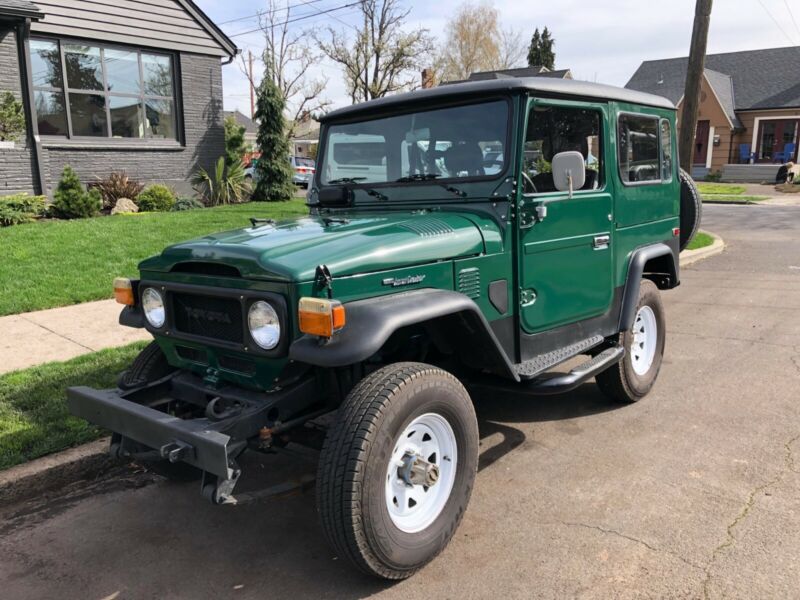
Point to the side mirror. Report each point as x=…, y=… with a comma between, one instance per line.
x=569, y=171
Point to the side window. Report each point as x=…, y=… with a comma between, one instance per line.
x=554, y=129
x=639, y=149
x=666, y=151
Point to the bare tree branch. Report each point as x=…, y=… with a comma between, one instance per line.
x=382, y=57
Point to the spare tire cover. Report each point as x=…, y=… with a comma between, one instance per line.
x=691, y=209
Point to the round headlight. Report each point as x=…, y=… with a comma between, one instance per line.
x=265, y=327
x=153, y=305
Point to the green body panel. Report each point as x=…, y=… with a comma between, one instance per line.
x=424, y=236
x=359, y=243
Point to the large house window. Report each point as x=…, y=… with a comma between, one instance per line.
x=87, y=91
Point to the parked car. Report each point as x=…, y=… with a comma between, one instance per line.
x=424, y=266
x=304, y=169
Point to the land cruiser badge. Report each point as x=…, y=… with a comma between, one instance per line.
x=402, y=281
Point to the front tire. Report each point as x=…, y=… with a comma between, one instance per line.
x=633, y=377
x=397, y=469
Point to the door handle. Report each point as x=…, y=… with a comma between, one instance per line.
x=601, y=242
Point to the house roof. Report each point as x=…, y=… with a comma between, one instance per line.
x=209, y=26
x=542, y=85
x=722, y=85
x=243, y=120
x=20, y=9
x=761, y=79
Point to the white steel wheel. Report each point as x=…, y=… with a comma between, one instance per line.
x=421, y=472
x=645, y=340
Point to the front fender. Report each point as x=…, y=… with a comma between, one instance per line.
x=371, y=322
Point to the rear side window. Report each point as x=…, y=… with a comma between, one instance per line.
x=666, y=151
x=639, y=156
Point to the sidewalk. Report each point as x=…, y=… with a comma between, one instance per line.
x=34, y=338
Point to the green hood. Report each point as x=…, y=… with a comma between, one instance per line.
x=291, y=250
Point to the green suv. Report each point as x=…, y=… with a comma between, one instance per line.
x=479, y=232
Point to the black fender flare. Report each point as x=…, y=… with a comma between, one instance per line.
x=372, y=321
x=639, y=258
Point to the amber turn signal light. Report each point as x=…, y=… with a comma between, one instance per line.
x=123, y=291
x=321, y=317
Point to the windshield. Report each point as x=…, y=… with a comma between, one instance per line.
x=448, y=143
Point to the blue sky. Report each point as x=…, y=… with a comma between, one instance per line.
x=600, y=41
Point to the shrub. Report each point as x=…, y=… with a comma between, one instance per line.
x=714, y=176
x=156, y=198
x=273, y=173
x=12, y=118
x=223, y=185
x=20, y=208
x=72, y=200
x=115, y=186
x=187, y=204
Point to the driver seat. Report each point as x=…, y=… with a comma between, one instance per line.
x=464, y=157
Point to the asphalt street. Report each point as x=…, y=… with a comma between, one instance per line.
x=692, y=493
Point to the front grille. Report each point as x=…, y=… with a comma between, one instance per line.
x=192, y=354
x=240, y=365
x=208, y=317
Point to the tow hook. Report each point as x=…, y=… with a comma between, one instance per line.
x=415, y=470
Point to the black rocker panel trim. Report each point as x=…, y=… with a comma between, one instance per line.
x=371, y=322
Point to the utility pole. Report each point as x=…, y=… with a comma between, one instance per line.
x=694, y=74
x=252, y=85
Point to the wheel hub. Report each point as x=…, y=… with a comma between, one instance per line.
x=421, y=472
x=415, y=470
x=644, y=342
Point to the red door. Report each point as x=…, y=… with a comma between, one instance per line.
x=701, y=143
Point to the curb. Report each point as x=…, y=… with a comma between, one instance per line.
x=689, y=257
x=32, y=479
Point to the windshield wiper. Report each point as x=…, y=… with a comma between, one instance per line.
x=418, y=177
x=346, y=180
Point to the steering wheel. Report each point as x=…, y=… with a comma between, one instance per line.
x=529, y=181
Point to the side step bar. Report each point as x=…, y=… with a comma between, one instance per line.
x=564, y=383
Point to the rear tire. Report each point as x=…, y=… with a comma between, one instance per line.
x=371, y=512
x=633, y=377
x=691, y=209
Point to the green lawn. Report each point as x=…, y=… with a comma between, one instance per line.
x=33, y=411
x=701, y=240
x=57, y=263
x=719, y=188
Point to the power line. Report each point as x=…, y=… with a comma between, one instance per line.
x=791, y=14
x=258, y=14
x=774, y=20
x=288, y=21
x=309, y=2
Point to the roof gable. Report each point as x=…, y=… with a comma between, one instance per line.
x=20, y=9
x=162, y=24
x=760, y=79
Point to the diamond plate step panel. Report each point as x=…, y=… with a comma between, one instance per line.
x=541, y=363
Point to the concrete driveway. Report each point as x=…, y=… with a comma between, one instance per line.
x=693, y=492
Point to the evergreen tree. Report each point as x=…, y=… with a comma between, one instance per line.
x=273, y=172
x=72, y=201
x=234, y=141
x=540, y=53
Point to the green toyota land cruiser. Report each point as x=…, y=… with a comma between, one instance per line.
x=486, y=231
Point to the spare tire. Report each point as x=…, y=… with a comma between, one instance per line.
x=691, y=209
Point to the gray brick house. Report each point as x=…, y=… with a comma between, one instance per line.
x=110, y=85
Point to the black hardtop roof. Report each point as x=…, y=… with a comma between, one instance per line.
x=543, y=85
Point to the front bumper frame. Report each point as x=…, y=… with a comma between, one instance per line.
x=210, y=443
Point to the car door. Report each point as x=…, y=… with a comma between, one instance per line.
x=564, y=243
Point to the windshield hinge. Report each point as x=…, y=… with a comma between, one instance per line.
x=324, y=279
